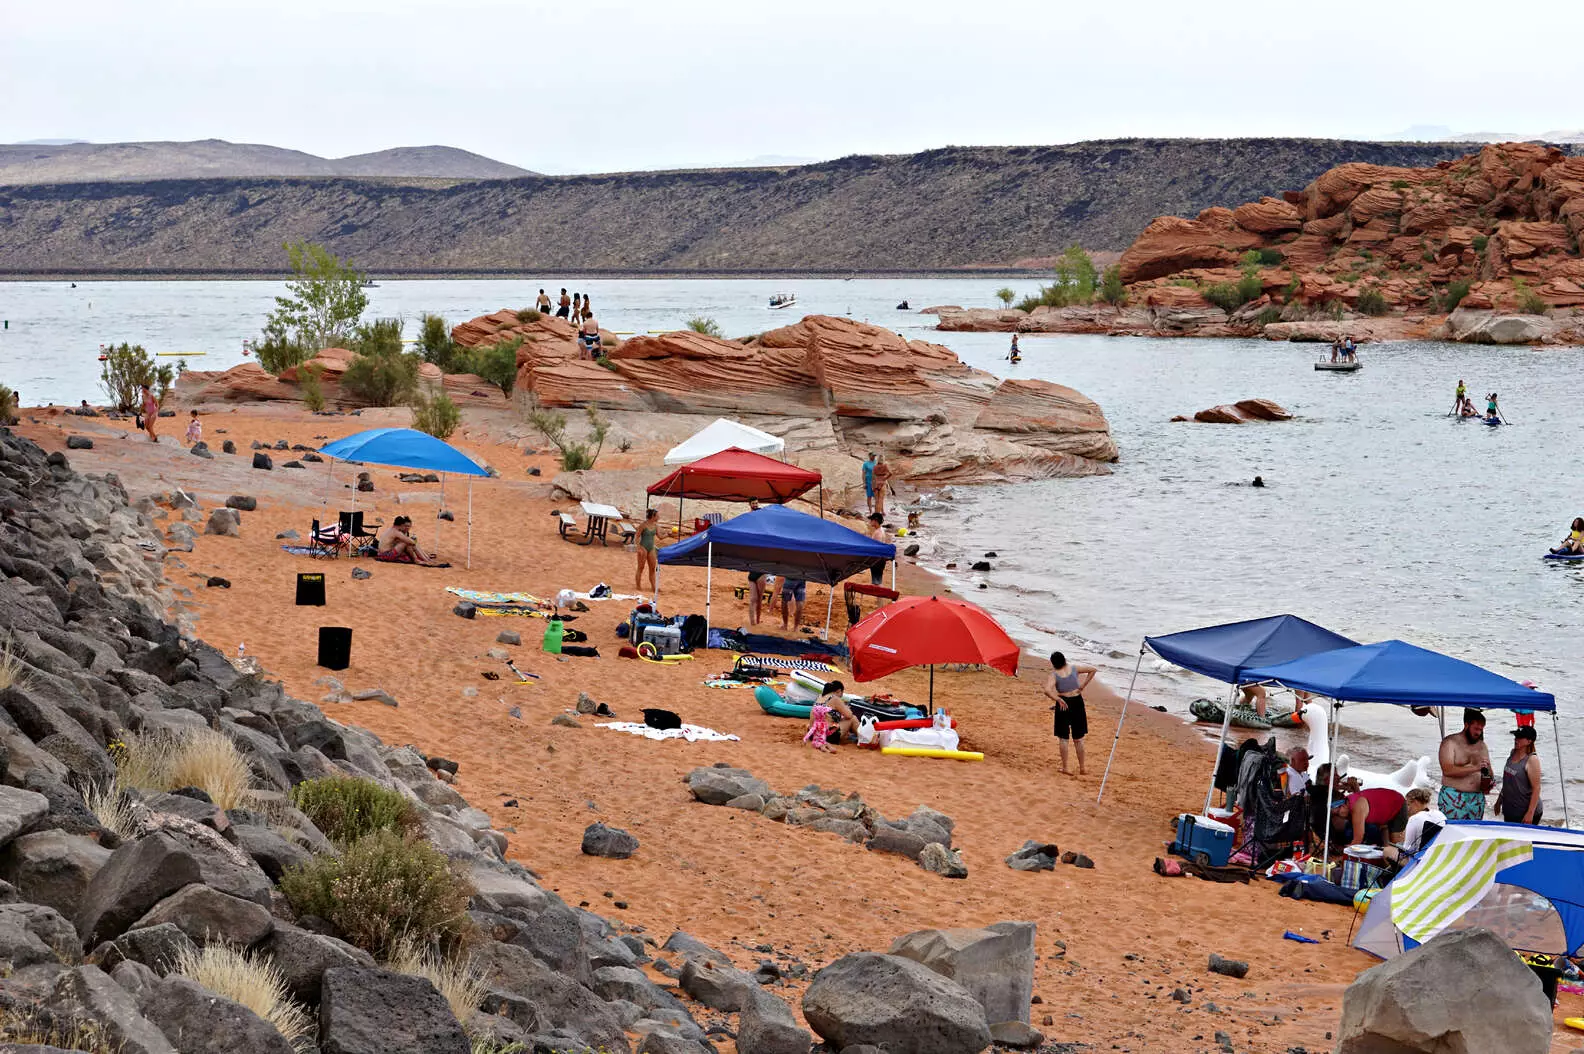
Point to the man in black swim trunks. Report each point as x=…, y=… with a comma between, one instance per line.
x=564, y=310
x=1071, y=721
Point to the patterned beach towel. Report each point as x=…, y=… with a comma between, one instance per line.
x=481, y=596
x=777, y=662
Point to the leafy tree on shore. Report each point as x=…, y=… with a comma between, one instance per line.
x=707, y=326
x=126, y=368
x=325, y=301
x=1006, y=296
x=1112, y=291
x=434, y=340
x=1075, y=282
x=382, y=374
x=496, y=363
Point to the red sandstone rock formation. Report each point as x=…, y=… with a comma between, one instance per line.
x=1240, y=413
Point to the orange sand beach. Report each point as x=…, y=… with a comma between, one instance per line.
x=1113, y=943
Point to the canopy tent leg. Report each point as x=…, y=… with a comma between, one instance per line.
x=1120, y=718
x=1325, y=852
x=709, y=577
x=1556, y=737
x=1226, y=723
x=470, y=525
x=830, y=598
x=822, y=501
x=438, y=520
x=329, y=482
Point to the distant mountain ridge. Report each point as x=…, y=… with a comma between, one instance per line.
x=945, y=209
x=78, y=162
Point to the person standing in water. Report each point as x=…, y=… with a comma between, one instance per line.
x=1014, y=354
x=1065, y=684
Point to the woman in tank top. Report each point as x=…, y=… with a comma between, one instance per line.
x=1519, y=799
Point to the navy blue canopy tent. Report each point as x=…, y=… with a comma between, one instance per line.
x=1402, y=674
x=780, y=541
x=406, y=448
x=1227, y=653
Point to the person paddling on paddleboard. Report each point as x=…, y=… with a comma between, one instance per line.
x=1462, y=393
x=1014, y=354
x=1491, y=407
x=1574, y=542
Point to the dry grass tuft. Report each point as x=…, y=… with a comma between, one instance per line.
x=204, y=759
x=114, y=810
x=454, y=978
x=255, y=983
x=13, y=671
x=33, y=1027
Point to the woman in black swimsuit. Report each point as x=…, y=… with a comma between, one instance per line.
x=1071, y=721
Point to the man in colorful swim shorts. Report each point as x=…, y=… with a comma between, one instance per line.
x=1465, y=770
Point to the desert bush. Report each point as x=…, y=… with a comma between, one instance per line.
x=1372, y=302
x=575, y=456
x=453, y=977
x=8, y=404
x=606, y=362
x=255, y=983
x=114, y=810
x=707, y=326
x=125, y=369
x=1290, y=290
x=1112, y=291
x=489, y=1045
x=31, y=1027
x=1075, y=282
x=382, y=378
x=205, y=759
x=1250, y=287
x=277, y=351
x=1269, y=257
x=1268, y=314
x=312, y=388
x=1006, y=296
x=435, y=343
x=383, y=336
x=382, y=889
x=1479, y=242
x=527, y=315
x=436, y=415
x=1225, y=296
x=496, y=363
x=1455, y=292
x=346, y=808
x=1529, y=302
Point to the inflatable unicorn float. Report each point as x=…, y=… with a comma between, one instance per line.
x=1415, y=773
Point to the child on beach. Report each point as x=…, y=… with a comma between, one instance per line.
x=194, y=428
x=819, y=728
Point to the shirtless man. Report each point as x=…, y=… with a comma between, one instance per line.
x=1465, y=763
x=396, y=545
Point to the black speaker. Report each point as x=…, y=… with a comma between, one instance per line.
x=335, y=647
x=311, y=589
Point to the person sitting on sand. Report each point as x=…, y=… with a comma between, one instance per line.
x=397, y=545
x=1065, y=684
x=842, y=713
x=1574, y=542
x=194, y=428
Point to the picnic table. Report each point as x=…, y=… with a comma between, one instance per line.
x=600, y=517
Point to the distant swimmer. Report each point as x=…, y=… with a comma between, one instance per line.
x=1259, y=481
x=903, y=306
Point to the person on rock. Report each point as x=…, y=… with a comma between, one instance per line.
x=194, y=428
x=589, y=334
x=868, y=480
x=577, y=309
x=882, y=483
x=564, y=310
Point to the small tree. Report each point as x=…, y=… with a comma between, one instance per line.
x=1529, y=302
x=496, y=364
x=575, y=456
x=707, y=326
x=1372, y=301
x=8, y=405
x=324, y=302
x=437, y=415
x=278, y=351
x=1006, y=296
x=1112, y=291
x=312, y=389
x=126, y=369
x=383, y=336
x=434, y=341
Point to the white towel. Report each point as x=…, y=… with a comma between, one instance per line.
x=691, y=733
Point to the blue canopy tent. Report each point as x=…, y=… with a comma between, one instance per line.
x=1523, y=883
x=406, y=448
x=1401, y=674
x=780, y=541
x=1226, y=653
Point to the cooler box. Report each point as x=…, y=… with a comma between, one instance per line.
x=1202, y=840
x=667, y=638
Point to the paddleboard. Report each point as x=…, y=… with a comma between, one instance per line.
x=1493, y=422
x=1565, y=557
x=930, y=752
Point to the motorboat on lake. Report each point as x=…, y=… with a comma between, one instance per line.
x=778, y=300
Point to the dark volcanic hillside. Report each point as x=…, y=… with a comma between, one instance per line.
x=954, y=207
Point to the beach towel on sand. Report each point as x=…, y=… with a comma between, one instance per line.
x=690, y=733
x=777, y=662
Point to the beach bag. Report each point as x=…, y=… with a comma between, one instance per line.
x=573, y=636
x=745, y=670
x=139, y=420
x=695, y=633
x=661, y=719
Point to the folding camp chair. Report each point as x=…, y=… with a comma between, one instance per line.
x=325, y=541
x=353, y=528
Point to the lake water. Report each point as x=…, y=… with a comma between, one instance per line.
x=1382, y=516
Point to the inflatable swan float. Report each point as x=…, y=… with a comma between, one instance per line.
x=1415, y=773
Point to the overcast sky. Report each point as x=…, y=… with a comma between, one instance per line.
x=606, y=85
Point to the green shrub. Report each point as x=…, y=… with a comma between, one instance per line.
x=1290, y=290
x=382, y=379
x=383, y=336
x=1349, y=276
x=1269, y=257
x=278, y=352
x=435, y=343
x=1529, y=302
x=575, y=456
x=607, y=363
x=128, y=367
x=1250, y=287
x=1076, y=280
x=1455, y=292
x=1006, y=296
x=1480, y=241
x=527, y=315
x=308, y=380
x=707, y=326
x=8, y=404
x=1372, y=302
x=1429, y=257
x=496, y=364
x=1225, y=296
x=347, y=809
x=1112, y=291
x=384, y=888
x=1399, y=184
x=1268, y=314
x=436, y=415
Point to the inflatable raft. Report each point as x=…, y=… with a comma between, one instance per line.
x=1212, y=712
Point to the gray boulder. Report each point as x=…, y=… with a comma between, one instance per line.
x=274, y=854
x=197, y=1021
x=53, y=868
x=552, y=933
x=664, y=1041
x=1034, y=856
x=995, y=964
x=137, y=876
x=243, y=502
x=135, y=978
x=633, y=986
x=263, y=461
x=366, y=1011
x=553, y=1000
x=714, y=786
x=687, y=946
x=895, y=1003
x=208, y=915
x=767, y=1026
x=19, y=810
x=31, y=934
x=224, y=522
x=1463, y=991
x=945, y=862
x=888, y=838
x=88, y=993
x=220, y=864
x=156, y=947
x=180, y=538
x=716, y=986
x=303, y=957
x=79, y=443
x=613, y=842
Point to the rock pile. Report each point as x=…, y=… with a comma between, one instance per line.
x=106, y=898
x=924, y=836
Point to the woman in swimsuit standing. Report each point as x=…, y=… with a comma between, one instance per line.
x=1071, y=721
x=648, y=557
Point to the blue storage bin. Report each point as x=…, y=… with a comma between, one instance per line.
x=1203, y=840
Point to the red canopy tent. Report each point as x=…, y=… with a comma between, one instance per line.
x=735, y=474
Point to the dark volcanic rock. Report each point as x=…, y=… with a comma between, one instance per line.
x=365, y=1011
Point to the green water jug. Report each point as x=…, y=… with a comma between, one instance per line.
x=554, y=631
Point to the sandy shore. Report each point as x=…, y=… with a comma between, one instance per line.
x=1113, y=942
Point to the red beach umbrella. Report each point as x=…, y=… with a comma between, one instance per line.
x=924, y=631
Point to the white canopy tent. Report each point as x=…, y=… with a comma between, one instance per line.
x=722, y=435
